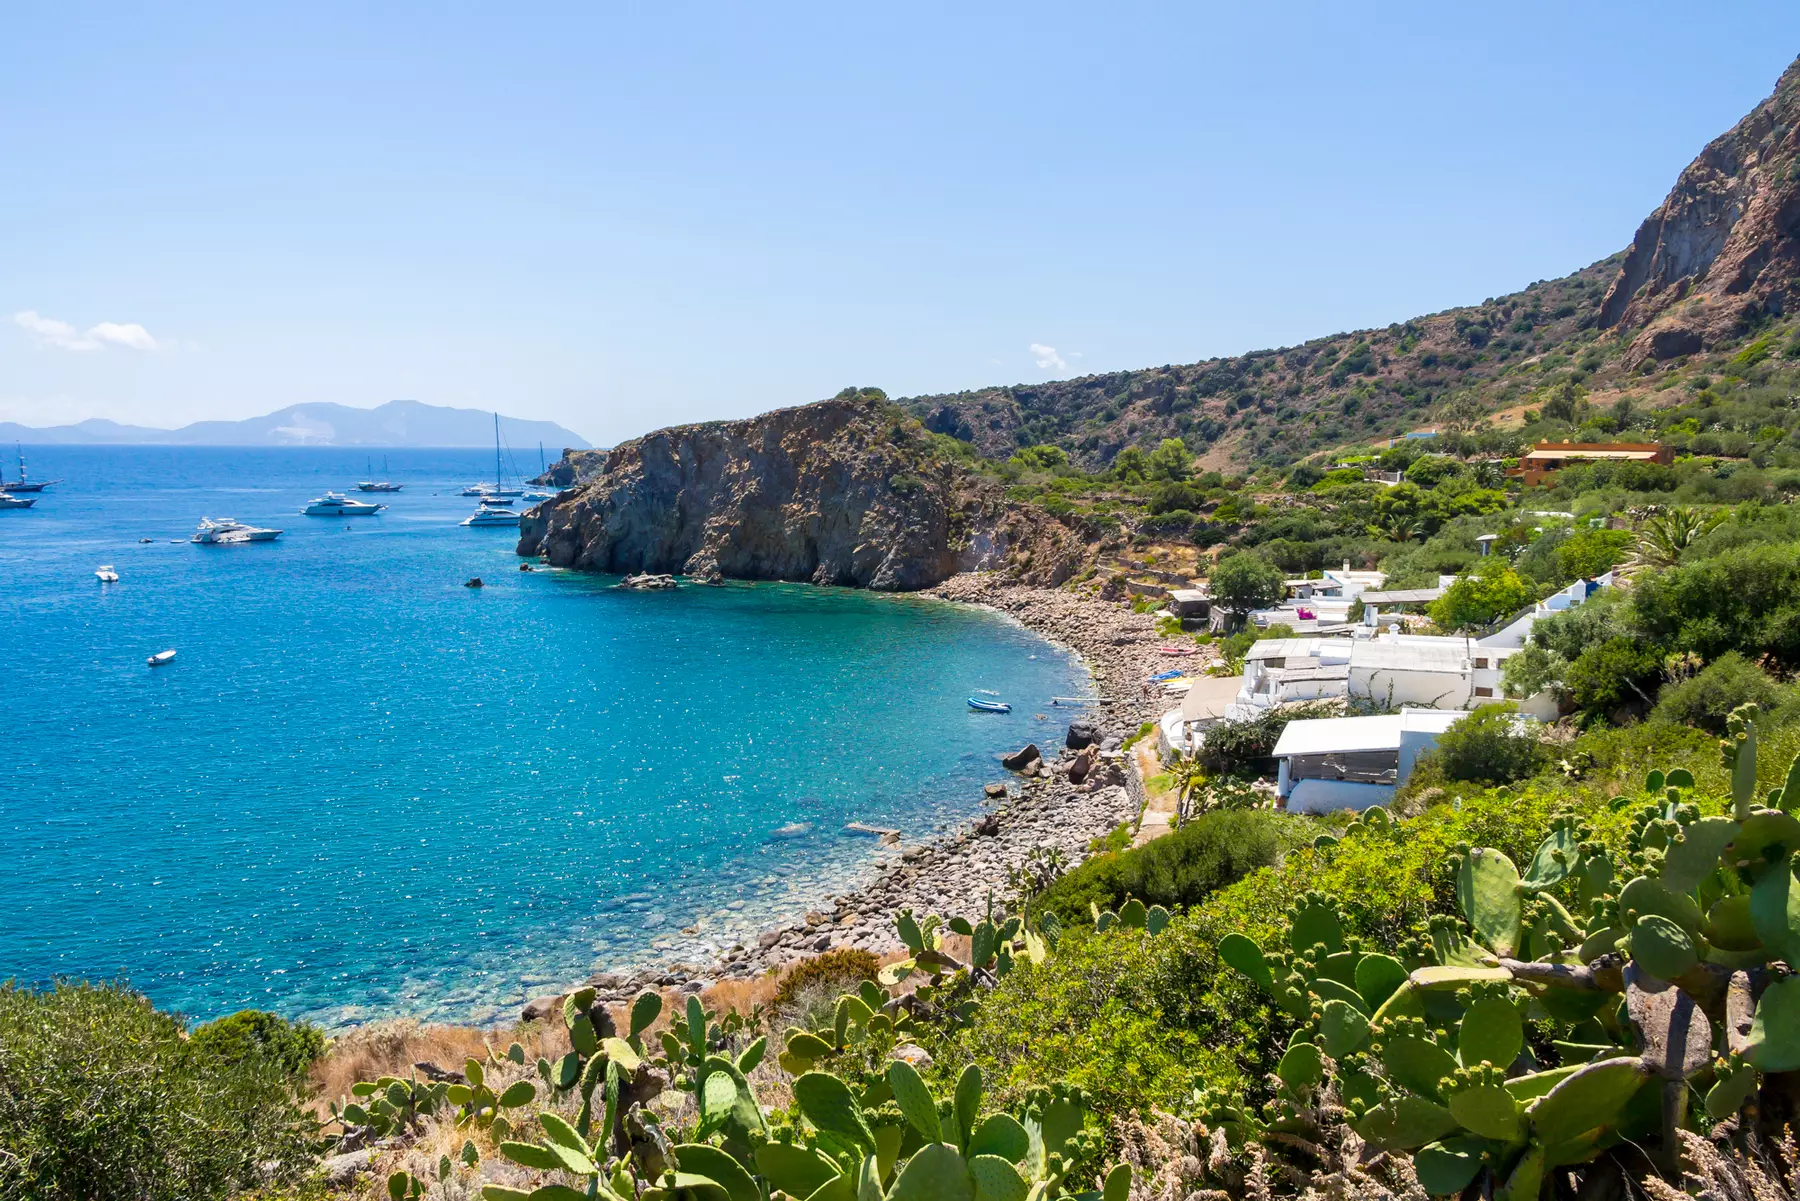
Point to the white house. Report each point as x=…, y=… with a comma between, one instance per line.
x=1353, y=762
x=1324, y=602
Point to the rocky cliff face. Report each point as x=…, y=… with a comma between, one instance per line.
x=848, y=491
x=1724, y=247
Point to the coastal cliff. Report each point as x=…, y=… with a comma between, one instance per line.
x=1724, y=246
x=848, y=491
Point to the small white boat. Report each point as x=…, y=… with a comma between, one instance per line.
x=106, y=574
x=984, y=706
x=336, y=504
x=9, y=501
x=160, y=658
x=224, y=531
x=491, y=515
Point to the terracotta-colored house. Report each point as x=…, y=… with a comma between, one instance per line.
x=1547, y=458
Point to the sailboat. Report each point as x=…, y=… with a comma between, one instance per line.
x=22, y=484
x=381, y=485
x=490, y=511
x=499, y=488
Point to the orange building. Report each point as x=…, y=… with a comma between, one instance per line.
x=1547, y=458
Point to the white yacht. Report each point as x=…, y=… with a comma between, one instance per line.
x=336, y=504
x=8, y=501
x=492, y=515
x=106, y=574
x=223, y=531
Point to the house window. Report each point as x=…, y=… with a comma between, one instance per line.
x=1480, y=691
x=1481, y=663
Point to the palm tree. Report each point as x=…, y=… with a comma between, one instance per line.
x=1664, y=534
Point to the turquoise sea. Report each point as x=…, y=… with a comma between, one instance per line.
x=362, y=789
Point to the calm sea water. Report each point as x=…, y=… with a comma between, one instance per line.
x=363, y=789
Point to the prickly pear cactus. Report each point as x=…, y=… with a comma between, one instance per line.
x=1629, y=966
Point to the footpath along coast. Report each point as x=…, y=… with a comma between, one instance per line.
x=1041, y=806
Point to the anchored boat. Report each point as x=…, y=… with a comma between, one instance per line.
x=982, y=706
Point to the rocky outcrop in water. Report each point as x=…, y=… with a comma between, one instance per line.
x=848, y=491
x=1724, y=247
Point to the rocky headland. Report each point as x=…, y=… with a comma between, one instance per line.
x=849, y=491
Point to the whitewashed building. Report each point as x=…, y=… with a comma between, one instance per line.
x=1353, y=762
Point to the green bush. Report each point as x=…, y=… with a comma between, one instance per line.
x=1239, y=747
x=1618, y=673
x=1182, y=867
x=1705, y=700
x=101, y=1098
x=290, y=1046
x=1488, y=593
x=1486, y=747
x=1243, y=582
x=840, y=967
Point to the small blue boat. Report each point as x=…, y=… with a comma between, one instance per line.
x=1167, y=675
x=982, y=706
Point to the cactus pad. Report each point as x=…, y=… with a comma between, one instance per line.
x=1647, y=894
x=1489, y=1110
x=1695, y=852
x=1492, y=1032
x=1315, y=923
x=1554, y=859
x=1416, y=1064
x=1587, y=1098
x=1487, y=889
x=1447, y=1168
x=1774, y=1043
x=1775, y=913
x=934, y=1173
x=996, y=1179
x=1301, y=1067
x=1378, y=977
x=1344, y=1028
x=1662, y=948
x=1405, y=1123
x=1247, y=958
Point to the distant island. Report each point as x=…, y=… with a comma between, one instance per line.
x=396, y=423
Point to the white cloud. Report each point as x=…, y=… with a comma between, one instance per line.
x=48, y=331
x=1047, y=358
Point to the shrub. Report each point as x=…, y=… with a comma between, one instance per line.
x=1620, y=672
x=1705, y=700
x=1243, y=582
x=1182, y=867
x=1481, y=597
x=839, y=968
x=290, y=1046
x=1487, y=747
x=1237, y=747
x=1170, y=497
x=101, y=1098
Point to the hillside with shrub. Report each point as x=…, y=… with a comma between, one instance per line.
x=1701, y=301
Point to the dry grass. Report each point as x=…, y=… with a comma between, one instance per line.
x=392, y=1048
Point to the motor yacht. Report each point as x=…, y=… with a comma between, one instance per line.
x=8, y=501
x=106, y=574
x=223, y=531
x=489, y=514
x=336, y=504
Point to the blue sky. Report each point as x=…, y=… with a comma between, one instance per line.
x=619, y=217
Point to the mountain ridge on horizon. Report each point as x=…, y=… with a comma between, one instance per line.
x=397, y=423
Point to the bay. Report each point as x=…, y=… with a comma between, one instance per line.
x=364, y=790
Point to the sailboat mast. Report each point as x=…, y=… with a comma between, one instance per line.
x=497, y=484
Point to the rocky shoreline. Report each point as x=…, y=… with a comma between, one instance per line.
x=1040, y=807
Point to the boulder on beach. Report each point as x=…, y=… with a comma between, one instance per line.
x=1083, y=764
x=994, y=791
x=1082, y=733
x=1022, y=758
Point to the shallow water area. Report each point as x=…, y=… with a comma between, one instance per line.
x=364, y=789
